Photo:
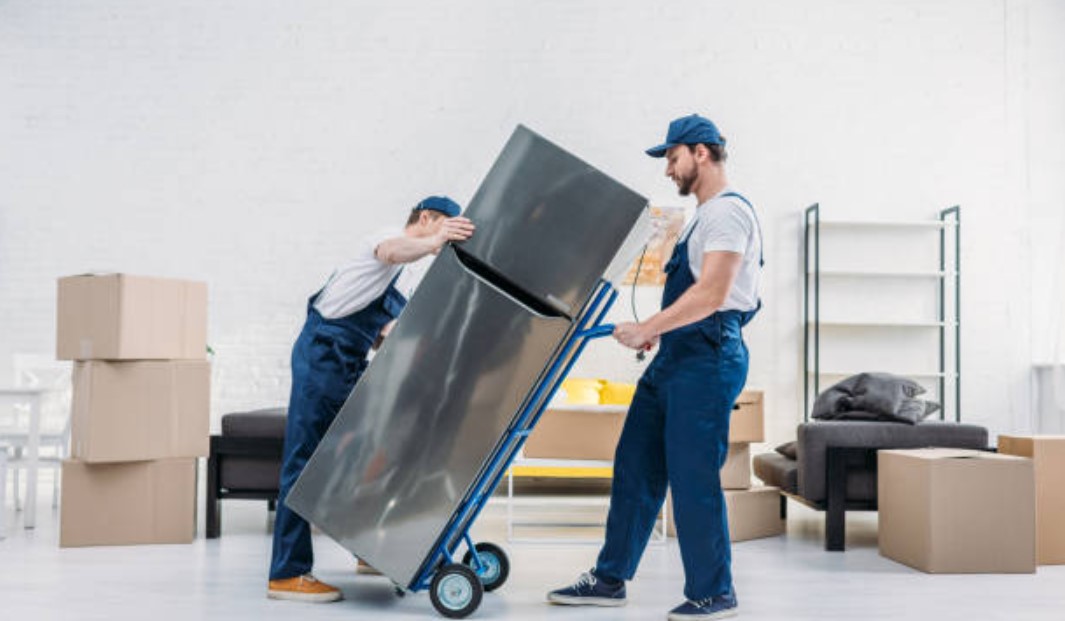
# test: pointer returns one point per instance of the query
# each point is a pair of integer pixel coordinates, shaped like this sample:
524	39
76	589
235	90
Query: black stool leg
214	508
836	513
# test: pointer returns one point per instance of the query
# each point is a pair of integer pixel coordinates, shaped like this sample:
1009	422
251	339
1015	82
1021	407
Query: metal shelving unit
948	316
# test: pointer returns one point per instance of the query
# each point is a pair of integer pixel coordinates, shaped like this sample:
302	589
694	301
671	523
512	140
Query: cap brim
660	150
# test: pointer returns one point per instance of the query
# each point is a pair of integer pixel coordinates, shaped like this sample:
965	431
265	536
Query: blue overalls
328	358
676	433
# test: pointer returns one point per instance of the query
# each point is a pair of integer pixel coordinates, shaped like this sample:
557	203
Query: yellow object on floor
616	393
582	391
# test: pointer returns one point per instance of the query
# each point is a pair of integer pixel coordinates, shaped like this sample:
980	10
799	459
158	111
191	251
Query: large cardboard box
577	432
736	473
123	317
748	418
132	411
592	431
1048	459
957	511
130	503
752	514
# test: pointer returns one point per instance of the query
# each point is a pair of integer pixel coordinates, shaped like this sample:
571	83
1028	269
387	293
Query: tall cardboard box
957	511
131	411
124	317
752	514
747	423
577	432
128	503
1048	458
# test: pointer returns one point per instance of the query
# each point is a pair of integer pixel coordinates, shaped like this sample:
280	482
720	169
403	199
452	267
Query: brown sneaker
305	588
366	570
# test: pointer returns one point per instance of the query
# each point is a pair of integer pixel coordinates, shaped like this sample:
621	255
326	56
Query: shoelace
701	603
587	578
308	578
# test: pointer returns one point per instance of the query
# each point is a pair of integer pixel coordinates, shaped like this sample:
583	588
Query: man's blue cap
692	129
442	204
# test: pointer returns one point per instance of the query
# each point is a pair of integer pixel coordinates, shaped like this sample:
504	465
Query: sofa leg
271	505
214	508
836	512
783	507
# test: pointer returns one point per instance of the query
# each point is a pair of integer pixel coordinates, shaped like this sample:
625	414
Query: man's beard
685	183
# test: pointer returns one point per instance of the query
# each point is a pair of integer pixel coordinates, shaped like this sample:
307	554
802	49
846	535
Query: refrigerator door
548	222
417	429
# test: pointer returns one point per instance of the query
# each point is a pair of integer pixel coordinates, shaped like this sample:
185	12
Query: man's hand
454	229
635	335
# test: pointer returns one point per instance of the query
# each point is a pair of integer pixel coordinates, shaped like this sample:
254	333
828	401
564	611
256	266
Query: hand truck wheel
495	566
456	591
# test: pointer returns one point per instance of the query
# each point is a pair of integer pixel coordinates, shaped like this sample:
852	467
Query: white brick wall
247	143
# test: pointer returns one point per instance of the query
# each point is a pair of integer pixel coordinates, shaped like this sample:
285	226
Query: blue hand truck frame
455	587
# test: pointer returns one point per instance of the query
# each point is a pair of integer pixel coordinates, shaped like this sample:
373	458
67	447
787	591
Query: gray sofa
245	461
835	465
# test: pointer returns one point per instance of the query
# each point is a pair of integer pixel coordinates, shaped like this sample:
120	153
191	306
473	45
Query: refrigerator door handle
551	308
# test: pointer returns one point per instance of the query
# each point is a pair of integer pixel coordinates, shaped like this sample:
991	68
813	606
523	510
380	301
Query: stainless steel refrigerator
476	337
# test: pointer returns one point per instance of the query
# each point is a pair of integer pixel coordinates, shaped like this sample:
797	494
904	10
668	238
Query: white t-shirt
364	278
728	224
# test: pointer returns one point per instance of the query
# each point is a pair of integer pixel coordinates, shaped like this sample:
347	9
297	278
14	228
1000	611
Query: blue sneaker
720	607
589	590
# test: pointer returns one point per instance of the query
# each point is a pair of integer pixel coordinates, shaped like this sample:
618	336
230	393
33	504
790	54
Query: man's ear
701	153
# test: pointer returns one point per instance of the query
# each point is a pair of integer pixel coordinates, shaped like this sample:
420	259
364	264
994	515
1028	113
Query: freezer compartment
548	221
412	437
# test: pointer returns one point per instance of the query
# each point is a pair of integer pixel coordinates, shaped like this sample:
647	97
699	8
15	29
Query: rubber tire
500	556
448	574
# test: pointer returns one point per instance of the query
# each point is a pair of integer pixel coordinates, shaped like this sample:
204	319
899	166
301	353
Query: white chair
50	380
3	491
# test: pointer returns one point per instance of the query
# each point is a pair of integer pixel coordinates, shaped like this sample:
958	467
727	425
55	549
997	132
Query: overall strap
757	223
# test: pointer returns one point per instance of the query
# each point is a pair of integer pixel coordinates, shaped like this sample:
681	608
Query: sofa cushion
250	474
267	423
814	438
778	471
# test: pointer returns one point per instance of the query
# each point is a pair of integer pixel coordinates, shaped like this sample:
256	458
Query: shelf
929	374
887	224
884	273
884	324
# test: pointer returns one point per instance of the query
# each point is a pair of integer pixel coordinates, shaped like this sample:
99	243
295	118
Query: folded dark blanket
874	396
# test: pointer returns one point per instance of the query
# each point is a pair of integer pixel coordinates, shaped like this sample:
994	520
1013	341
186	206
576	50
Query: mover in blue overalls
344	320
676	431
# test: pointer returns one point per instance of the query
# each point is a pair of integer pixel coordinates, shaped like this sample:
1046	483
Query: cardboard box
752	514
577	432
132	411
592	431
1048	460
123	317
748	418
126	504
957	511
736	473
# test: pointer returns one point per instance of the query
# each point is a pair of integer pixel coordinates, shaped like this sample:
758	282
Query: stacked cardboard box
753	512
140	410
957	511
1048	461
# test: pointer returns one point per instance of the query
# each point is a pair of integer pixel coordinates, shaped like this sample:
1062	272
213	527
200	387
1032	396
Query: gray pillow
788	449
916	410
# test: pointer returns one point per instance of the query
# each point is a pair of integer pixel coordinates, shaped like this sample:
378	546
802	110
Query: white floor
789	577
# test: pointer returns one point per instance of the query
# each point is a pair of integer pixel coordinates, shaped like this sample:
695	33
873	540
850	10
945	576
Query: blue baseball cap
692	129
442	204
